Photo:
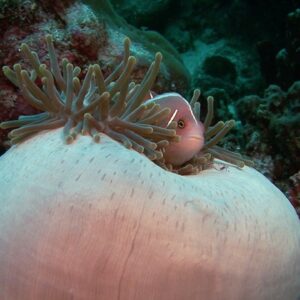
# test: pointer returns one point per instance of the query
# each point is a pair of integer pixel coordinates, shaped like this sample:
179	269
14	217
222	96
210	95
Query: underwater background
246	54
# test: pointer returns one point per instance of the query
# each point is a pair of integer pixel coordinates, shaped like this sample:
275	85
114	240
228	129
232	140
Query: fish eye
180	124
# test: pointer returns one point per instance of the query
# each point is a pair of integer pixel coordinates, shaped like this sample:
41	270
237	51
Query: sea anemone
115	106
112	105
98	221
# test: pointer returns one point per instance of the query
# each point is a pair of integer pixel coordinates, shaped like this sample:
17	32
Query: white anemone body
99	221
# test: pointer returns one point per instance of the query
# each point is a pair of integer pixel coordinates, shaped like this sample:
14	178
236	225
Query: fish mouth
196	137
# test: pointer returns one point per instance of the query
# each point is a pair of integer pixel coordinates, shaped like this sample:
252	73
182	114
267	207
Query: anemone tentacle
113	105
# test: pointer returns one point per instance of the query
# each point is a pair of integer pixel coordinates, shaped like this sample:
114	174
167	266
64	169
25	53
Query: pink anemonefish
188	128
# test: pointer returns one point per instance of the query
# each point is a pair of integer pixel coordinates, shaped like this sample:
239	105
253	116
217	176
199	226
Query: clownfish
190	130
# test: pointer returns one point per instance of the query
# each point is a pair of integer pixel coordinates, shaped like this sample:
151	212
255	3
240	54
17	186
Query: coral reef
252	42
281	66
273	117
221	68
175	73
147	13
